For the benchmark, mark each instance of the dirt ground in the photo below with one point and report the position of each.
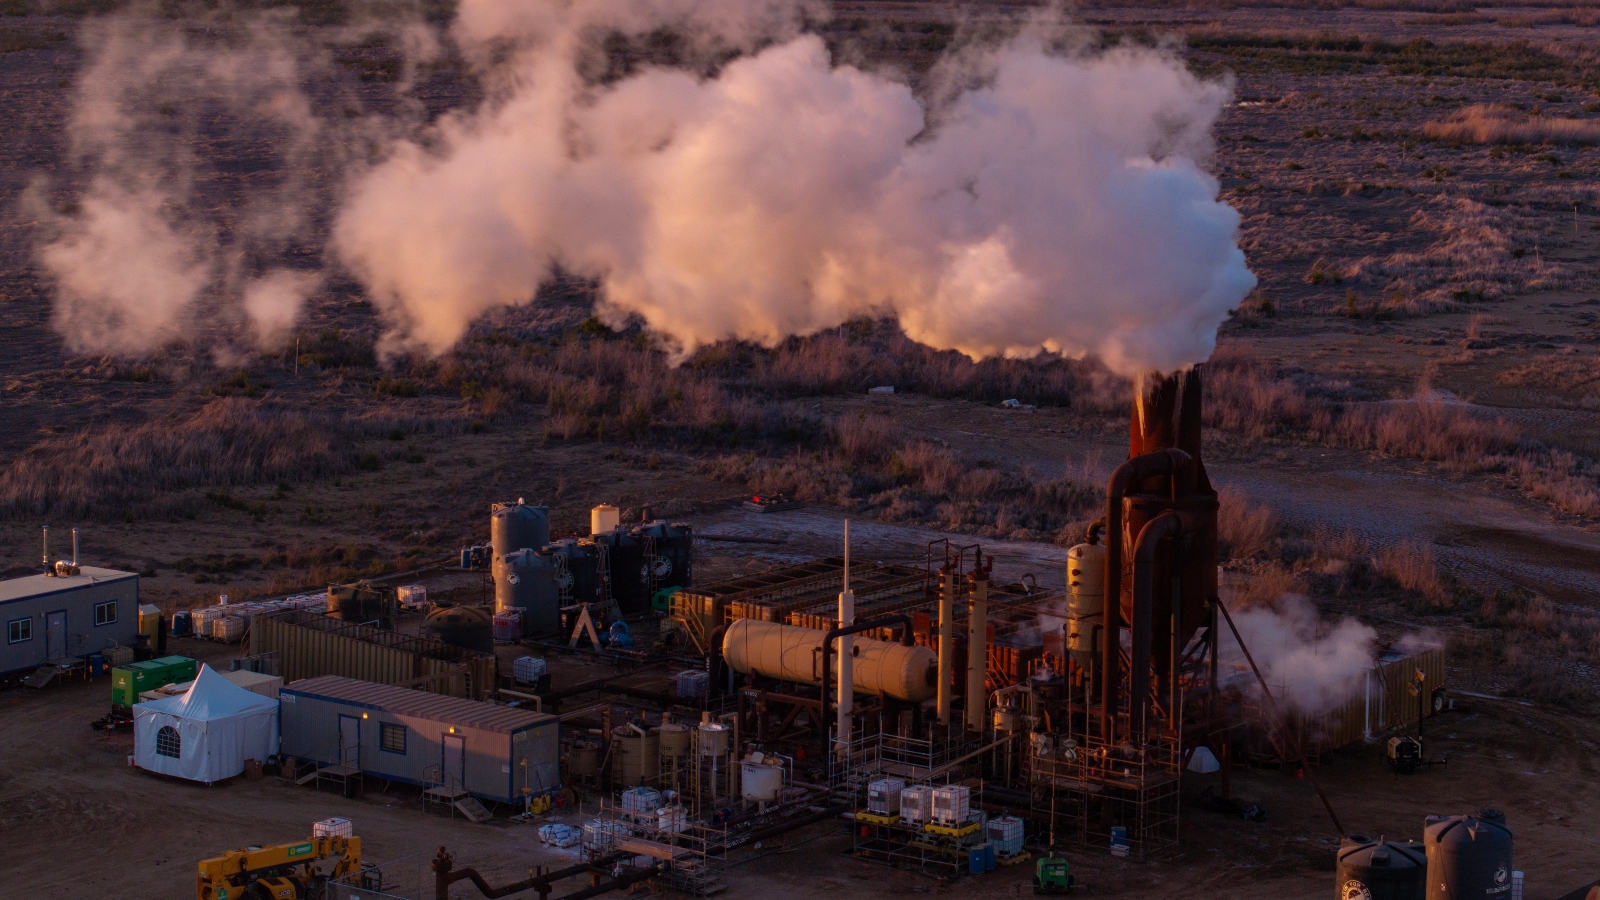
(78, 821)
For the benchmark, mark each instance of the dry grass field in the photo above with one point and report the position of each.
(1405, 414)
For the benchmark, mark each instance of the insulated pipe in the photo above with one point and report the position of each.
(445, 874)
(906, 638)
(1162, 463)
(1144, 559)
(847, 616)
(947, 613)
(977, 649)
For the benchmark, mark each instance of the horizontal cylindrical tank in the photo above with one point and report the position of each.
(1368, 869)
(471, 627)
(759, 782)
(1468, 856)
(792, 653)
(527, 582)
(604, 518)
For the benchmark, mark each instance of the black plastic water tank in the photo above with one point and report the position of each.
(1370, 869)
(1469, 857)
(526, 580)
(625, 557)
(470, 627)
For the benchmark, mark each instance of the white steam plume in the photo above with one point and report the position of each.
(1058, 206)
(199, 152)
(1311, 664)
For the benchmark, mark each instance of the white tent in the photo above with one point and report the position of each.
(206, 733)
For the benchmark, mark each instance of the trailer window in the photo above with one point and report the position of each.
(168, 743)
(392, 737)
(19, 630)
(105, 613)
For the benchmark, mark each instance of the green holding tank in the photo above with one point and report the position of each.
(128, 682)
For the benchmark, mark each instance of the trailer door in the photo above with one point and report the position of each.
(454, 760)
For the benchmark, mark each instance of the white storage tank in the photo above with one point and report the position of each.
(412, 596)
(640, 804)
(671, 819)
(883, 796)
(604, 518)
(916, 805)
(1005, 833)
(1086, 575)
(951, 804)
(760, 782)
(713, 739)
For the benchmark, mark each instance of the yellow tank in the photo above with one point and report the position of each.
(674, 741)
(636, 757)
(792, 653)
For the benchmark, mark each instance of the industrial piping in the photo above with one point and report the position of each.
(906, 638)
(1160, 464)
(1166, 525)
(445, 874)
(845, 702)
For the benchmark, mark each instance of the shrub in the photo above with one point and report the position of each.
(1244, 529)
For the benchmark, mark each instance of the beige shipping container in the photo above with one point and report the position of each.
(310, 645)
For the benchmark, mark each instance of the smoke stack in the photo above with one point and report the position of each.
(978, 650)
(847, 617)
(947, 613)
(74, 547)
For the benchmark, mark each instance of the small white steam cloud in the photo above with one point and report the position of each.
(1060, 205)
(1311, 664)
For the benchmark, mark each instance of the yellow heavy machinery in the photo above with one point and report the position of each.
(281, 871)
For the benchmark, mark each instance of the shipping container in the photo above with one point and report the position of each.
(496, 752)
(310, 645)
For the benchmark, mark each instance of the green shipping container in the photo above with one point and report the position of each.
(128, 682)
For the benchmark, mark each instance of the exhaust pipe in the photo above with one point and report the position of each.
(45, 558)
(74, 547)
(847, 617)
(947, 614)
(978, 650)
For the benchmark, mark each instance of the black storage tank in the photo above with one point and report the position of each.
(625, 557)
(526, 581)
(578, 571)
(1469, 857)
(470, 627)
(363, 602)
(1369, 869)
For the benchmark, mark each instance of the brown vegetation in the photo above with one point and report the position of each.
(1492, 123)
(146, 469)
